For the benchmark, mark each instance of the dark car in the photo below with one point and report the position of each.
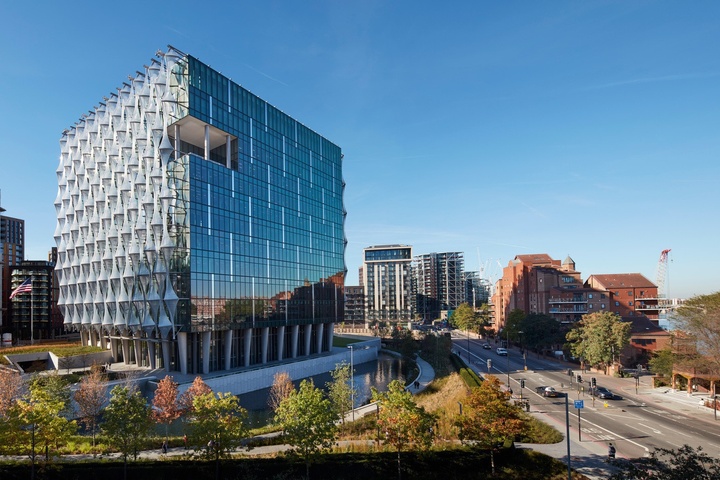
(547, 391)
(604, 393)
(486, 346)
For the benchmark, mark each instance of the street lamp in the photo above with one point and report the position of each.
(507, 354)
(522, 350)
(352, 382)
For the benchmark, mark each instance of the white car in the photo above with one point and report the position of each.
(501, 351)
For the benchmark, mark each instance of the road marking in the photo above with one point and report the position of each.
(650, 428)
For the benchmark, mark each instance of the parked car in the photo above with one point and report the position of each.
(547, 391)
(604, 393)
(501, 351)
(486, 346)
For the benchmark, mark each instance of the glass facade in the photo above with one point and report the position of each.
(226, 235)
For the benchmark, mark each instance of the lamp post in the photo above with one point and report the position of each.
(352, 382)
(507, 355)
(522, 350)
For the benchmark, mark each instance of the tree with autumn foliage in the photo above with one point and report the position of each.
(10, 390)
(280, 390)
(403, 423)
(166, 408)
(489, 419)
(198, 387)
(90, 398)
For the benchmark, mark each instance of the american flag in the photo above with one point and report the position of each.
(26, 286)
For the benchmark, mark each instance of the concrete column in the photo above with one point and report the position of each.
(247, 345)
(207, 142)
(151, 354)
(319, 336)
(308, 337)
(177, 154)
(182, 352)
(206, 352)
(294, 335)
(330, 334)
(137, 345)
(113, 349)
(92, 338)
(264, 336)
(228, 151)
(166, 345)
(126, 350)
(228, 348)
(280, 342)
(84, 338)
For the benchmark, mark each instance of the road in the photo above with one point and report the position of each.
(635, 426)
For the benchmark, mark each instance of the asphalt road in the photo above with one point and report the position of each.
(636, 424)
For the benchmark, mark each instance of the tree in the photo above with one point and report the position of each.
(540, 331)
(340, 392)
(513, 325)
(662, 361)
(166, 408)
(404, 423)
(685, 463)
(127, 421)
(464, 318)
(10, 389)
(700, 318)
(308, 420)
(218, 421)
(599, 337)
(41, 416)
(198, 387)
(280, 390)
(489, 419)
(90, 398)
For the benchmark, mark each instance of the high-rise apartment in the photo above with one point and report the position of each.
(12, 252)
(199, 227)
(439, 283)
(386, 277)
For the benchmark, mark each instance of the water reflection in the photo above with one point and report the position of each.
(376, 374)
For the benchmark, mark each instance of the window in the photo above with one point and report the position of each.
(590, 295)
(602, 296)
(630, 303)
(617, 304)
(590, 305)
(602, 305)
(630, 293)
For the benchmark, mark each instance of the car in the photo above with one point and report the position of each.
(501, 351)
(547, 391)
(604, 393)
(486, 346)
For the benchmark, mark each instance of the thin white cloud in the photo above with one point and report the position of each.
(665, 78)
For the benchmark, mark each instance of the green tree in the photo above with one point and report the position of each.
(218, 421)
(308, 420)
(662, 362)
(488, 418)
(465, 318)
(127, 421)
(599, 338)
(700, 318)
(540, 331)
(43, 413)
(340, 391)
(685, 463)
(10, 389)
(514, 324)
(403, 423)
(198, 387)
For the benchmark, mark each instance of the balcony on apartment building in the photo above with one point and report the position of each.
(574, 299)
(571, 309)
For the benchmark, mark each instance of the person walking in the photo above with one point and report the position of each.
(185, 441)
(611, 451)
(164, 447)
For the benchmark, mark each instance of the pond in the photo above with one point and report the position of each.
(376, 374)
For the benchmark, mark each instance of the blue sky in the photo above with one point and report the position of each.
(588, 129)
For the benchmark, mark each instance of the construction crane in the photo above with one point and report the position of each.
(662, 273)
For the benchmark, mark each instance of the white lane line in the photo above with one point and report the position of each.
(650, 428)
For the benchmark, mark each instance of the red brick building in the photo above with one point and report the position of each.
(627, 294)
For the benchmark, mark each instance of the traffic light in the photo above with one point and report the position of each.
(579, 379)
(593, 381)
(522, 383)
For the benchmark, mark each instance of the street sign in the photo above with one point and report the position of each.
(579, 403)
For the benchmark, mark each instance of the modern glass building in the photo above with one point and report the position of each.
(199, 227)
